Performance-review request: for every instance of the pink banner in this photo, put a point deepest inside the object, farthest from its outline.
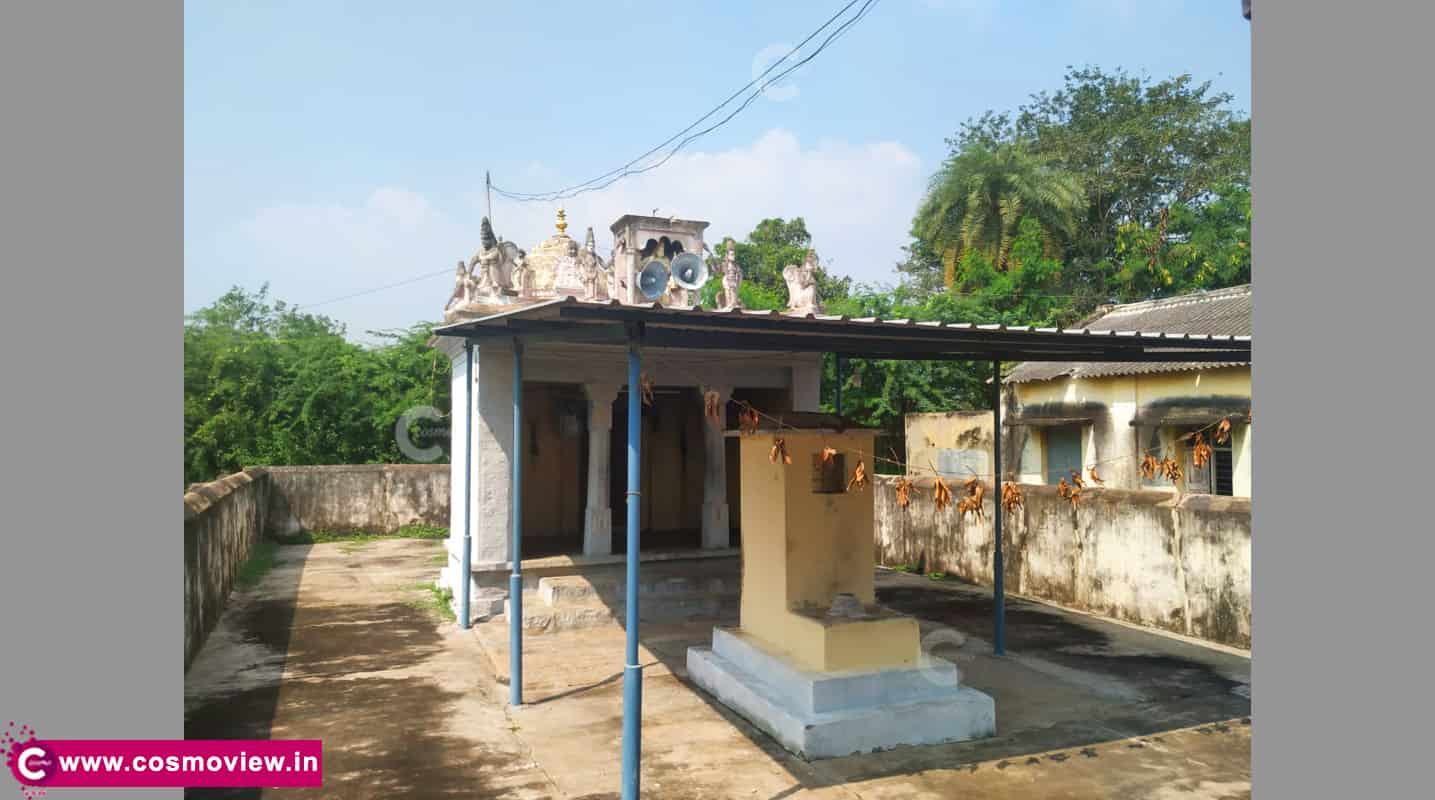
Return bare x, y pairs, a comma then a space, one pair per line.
156, 763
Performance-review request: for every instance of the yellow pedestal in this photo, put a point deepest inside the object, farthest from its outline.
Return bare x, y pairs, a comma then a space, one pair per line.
805, 539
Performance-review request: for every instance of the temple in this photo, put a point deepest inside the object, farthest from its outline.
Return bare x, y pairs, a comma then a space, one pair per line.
572, 440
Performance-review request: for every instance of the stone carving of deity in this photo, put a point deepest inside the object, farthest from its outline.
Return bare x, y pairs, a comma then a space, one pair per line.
590, 267
522, 276
731, 279
802, 285
461, 293
616, 282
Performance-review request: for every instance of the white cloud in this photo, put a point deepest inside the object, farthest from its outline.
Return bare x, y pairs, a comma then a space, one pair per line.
857, 199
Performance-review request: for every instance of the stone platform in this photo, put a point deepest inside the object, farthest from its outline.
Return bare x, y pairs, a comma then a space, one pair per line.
573, 592
831, 714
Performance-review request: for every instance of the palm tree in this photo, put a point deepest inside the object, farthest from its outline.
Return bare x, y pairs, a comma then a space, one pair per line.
978, 197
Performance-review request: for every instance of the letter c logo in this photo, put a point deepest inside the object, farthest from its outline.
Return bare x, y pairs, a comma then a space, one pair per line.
22, 763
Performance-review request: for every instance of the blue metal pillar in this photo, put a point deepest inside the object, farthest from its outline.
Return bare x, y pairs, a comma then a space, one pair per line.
632, 673
515, 578
999, 579
465, 561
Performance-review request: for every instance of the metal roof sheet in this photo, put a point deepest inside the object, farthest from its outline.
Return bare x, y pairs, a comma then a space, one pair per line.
1202, 315
862, 337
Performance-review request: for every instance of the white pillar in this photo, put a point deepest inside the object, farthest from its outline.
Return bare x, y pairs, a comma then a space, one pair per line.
598, 519
715, 512
807, 383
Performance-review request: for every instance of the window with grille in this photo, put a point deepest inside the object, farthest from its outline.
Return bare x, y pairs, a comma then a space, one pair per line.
1216, 476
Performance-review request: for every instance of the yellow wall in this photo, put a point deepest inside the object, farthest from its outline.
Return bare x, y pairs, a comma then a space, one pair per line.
928, 434
1116, 438
800, 548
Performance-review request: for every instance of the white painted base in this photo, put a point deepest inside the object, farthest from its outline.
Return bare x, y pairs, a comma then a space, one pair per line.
483, 602
598, 532
831, 714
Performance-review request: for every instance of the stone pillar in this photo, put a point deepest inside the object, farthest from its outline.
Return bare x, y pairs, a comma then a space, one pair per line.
598, 519
715, 519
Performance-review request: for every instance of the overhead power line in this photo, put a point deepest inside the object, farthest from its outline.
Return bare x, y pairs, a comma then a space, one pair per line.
395, 285
612, 176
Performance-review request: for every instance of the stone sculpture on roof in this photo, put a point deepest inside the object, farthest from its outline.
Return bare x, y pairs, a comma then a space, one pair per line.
592, 270
802, 286
493, 264
731, 279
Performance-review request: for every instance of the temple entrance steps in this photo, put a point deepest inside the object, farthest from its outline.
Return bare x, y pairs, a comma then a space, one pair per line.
668, 591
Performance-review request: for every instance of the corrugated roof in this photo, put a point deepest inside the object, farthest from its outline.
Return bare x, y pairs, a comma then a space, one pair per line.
568, 319
1222, 312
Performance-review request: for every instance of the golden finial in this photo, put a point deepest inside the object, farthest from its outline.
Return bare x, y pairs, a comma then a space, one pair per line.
562, 221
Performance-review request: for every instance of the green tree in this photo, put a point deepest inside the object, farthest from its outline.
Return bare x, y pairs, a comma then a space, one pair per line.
981, 194
766, 251
1137, 145
267, 385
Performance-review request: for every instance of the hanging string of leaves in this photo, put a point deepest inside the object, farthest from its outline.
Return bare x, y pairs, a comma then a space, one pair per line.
941, 494
828, 454
1223, 432
1071, 491
1149, 467
1096, 479
712, 407
904, 489
645, 387
1200, 451
779, 451
971, 502
1011, 496
859, 477
748, 420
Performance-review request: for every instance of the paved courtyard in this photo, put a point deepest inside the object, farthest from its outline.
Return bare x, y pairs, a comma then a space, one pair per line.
341, 642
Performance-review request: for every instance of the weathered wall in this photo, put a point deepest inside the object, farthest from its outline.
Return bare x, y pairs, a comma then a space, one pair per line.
380, 498
965, 436
1150, 557
222, 522
1110, 439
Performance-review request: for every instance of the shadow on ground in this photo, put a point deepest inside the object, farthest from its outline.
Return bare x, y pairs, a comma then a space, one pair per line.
377, 679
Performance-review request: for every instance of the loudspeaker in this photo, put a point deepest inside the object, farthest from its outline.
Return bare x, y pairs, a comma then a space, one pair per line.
689, 271
653, 279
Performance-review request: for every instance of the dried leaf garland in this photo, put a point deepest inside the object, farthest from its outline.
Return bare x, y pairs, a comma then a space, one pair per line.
1223, 431
972, 502
645, 387
1149, 467
904, 488
1077, 481
1200, 451
1069, 491
941, 494
859, 477
1171, 470
1096, 479
712, 407
779, 451
1011, 496
749, 420
828, 454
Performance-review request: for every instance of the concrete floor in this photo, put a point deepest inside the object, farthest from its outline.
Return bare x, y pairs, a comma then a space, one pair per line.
336, 644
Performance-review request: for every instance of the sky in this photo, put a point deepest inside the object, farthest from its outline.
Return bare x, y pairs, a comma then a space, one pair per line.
333, 148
